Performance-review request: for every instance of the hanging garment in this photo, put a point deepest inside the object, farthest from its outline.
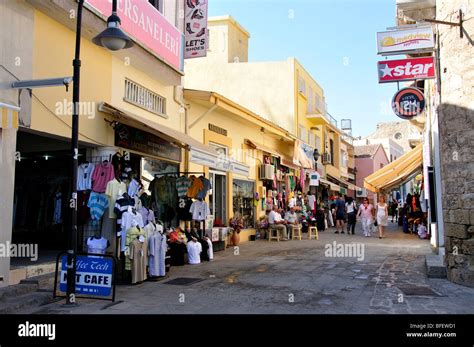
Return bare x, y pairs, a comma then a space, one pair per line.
184, 205
194, 252
195, 187
130, 219
57, 208
103, 174
83, 214
200, 210
302, 179
114, 190
133, 187
182, 185
147, 215
138, 260
121, 206
210, 252
96, 245
84, 176
98, 203
133, 233
312, 202
157, 247
206, 185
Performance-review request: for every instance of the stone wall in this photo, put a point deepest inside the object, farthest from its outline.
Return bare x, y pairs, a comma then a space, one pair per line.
456, 123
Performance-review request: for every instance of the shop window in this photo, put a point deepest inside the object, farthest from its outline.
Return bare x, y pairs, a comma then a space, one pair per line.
243, 201
158, 4
144, 98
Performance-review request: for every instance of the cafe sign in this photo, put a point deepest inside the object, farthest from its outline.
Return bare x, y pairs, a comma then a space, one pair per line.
420, 39
408, 103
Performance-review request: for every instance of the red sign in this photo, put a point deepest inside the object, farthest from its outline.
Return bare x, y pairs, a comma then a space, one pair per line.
406, 69
146, 25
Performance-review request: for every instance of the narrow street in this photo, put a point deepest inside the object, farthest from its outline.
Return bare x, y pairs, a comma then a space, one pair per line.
295, 277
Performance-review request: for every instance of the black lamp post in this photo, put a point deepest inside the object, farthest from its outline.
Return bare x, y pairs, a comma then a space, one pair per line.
316, 157
114, 39
355, 181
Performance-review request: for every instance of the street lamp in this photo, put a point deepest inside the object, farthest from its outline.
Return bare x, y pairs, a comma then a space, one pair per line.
316, 157
355, 181
114, 39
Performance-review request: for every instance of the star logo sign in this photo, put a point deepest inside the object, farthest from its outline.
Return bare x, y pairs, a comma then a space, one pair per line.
386, 71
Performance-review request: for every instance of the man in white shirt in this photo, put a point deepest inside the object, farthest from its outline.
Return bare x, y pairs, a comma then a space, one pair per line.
194, 252
292, 220
277, 222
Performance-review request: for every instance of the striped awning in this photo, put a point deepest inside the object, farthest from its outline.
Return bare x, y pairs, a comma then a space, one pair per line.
9, 116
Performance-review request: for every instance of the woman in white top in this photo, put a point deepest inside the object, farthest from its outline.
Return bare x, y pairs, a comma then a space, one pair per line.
382, 215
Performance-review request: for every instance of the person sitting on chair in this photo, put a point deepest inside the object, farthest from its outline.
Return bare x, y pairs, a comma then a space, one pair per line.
292, 220
277, 222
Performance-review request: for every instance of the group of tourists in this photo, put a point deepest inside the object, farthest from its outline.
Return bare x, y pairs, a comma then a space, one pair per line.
370, 216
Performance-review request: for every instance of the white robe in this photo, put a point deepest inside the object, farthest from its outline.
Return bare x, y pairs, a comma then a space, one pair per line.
157, 248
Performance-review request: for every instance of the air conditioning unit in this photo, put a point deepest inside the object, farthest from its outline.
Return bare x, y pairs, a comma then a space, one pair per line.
326, 158
267, 172
362, 193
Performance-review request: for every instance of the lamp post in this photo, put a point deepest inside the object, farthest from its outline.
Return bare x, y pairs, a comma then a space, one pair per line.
114, 39
355, 181
316, 157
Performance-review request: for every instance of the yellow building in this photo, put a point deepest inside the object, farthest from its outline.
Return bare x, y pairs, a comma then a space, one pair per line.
282, 92
130, 105
244, 139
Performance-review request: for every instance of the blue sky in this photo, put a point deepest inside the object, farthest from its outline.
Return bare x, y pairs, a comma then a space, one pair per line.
335, 42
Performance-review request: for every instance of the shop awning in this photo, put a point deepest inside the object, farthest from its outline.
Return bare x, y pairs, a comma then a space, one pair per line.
262, 148
331, 185
199, 153
207, 155
8, 116
397, 172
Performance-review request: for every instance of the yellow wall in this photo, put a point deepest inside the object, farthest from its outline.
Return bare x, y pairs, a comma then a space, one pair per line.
102, 79
238, 130
53, 54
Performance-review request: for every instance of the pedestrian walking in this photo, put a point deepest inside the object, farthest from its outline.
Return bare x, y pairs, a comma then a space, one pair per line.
394, 210
366, 212
351, 209
382, 215
340, 213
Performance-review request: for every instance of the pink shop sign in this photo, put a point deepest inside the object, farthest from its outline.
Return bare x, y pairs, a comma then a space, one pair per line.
148, 27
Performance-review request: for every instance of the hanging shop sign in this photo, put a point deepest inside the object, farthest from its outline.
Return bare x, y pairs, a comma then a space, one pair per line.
141, 141
406, 69
195, 28
94, 276
303, 155
408, 103
148, 27
314, 179
420, 39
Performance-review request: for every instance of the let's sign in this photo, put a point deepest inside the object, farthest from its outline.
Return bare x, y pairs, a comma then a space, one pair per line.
406, 69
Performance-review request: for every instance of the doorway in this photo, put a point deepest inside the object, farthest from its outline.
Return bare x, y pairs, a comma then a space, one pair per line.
218, 197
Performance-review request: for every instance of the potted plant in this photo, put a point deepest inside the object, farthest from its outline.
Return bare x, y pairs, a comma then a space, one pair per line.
237, 224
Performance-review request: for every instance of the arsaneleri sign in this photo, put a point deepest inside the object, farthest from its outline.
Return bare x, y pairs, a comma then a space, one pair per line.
406, 69
148, 27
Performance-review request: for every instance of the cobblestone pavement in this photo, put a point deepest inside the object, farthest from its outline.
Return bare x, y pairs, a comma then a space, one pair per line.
297, 277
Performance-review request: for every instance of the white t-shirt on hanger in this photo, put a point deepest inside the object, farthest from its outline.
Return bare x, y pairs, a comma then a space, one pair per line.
194, 252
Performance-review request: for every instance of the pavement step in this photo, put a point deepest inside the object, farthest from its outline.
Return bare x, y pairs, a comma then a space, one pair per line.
16, 290
22, 302
434, 266
43, 282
